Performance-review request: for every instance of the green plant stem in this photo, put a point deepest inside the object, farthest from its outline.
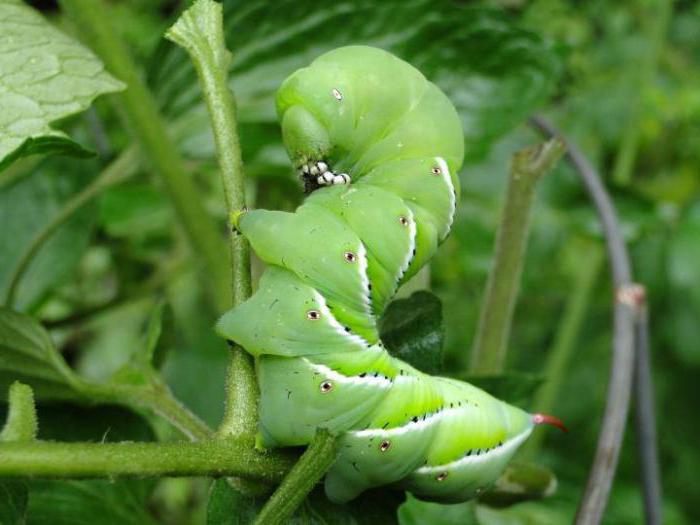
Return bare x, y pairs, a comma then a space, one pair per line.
199, 30
658, 27
562, 350
128, 459
156, 397
141, 113
310, 468
527, 167
21, 424
119, 170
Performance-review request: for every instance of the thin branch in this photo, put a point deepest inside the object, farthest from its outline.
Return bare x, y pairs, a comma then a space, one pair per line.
119, 170
200, 31
527, 167
310, 468
596, 493
139, 108
156, 397
232, 457
645, 418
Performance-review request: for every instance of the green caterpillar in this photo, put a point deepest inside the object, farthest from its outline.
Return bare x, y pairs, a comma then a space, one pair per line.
378, 147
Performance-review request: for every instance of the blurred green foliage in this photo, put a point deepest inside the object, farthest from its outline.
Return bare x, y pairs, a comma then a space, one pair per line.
621, 78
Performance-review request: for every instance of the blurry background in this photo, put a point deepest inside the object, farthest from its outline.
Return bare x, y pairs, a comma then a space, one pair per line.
620, 77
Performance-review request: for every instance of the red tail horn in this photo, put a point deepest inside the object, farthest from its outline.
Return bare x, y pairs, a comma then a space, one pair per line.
544, 419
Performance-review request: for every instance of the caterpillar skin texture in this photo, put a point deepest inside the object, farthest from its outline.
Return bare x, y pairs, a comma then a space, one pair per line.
379, 148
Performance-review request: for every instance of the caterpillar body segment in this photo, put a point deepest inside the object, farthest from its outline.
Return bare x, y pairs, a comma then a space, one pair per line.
379, 148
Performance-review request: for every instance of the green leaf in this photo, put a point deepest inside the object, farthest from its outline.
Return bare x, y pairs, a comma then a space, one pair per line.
229, 507
159, 336
13, 502
122, 502
29, 205
512, 387
46, 76
412, 330
417, 512
27, 354
81, 502
136, 210
521, 481
495, 72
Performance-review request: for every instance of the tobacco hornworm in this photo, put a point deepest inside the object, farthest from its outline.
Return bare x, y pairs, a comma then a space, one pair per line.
378, 147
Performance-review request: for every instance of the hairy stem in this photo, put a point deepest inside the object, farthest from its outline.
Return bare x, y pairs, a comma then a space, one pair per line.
527, 167
141, 113
564, 345
310, 468
119, 170
127, 459
199, 30
21, 424
157, 398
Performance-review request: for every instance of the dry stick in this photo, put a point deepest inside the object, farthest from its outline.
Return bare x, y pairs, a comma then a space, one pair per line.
528, 166
140, 110
310, 468
645, 418
596, 493
119, 170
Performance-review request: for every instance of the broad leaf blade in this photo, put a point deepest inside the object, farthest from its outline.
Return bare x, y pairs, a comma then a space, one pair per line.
229, 507
27, 354
13, 502
46, 76
495, 72
412, 330
108, 502
31, 204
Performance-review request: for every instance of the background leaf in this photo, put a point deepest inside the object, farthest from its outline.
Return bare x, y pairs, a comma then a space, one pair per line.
121, 502
27, 354
500, 75
229, 507
412, 330
28, 205
13, 502
45, 76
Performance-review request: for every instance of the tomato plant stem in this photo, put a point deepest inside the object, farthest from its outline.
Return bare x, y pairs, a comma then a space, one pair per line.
310, 468
127, 459
199, 30
527, 167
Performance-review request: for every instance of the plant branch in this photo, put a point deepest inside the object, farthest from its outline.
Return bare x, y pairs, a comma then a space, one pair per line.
141, 113
310, 468
156, 397
527, 167
118, 171
645, 418
597, 491
199, 30
127, 459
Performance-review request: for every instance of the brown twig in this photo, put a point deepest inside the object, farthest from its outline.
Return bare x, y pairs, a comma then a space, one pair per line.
626, 312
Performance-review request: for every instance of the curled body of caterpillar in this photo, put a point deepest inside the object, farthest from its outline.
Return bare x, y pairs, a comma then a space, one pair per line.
378, 147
